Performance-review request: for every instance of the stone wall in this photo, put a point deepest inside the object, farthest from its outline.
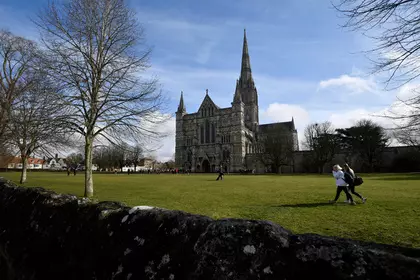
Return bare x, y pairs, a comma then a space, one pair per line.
44, 235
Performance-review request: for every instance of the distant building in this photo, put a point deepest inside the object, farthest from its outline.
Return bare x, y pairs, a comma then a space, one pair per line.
228, 137
144, 164
56, 163
11, 162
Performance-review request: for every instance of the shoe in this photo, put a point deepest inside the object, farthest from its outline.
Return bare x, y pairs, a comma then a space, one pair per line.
364, 200
353, 203
346, 201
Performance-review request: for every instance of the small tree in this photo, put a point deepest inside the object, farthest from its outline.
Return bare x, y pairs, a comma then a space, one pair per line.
323, 143
36, 122
17, 57
121, 155
74, 160
170, 164
367, 140
276, 147
135, 155
97, 53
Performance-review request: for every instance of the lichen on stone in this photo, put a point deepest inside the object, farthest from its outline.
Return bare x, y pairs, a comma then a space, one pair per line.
136, 208
249, 249
267, 270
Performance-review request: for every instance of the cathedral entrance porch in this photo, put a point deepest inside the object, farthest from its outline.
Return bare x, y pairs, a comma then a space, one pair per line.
205, 166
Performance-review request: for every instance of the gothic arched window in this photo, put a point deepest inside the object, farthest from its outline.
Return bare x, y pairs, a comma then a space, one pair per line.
213, 133
201, 134
207, 131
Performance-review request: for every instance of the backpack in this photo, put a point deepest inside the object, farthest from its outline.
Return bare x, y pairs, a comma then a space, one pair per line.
348, 178
358, 181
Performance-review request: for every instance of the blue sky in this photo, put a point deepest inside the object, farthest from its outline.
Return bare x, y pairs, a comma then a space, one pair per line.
304, 64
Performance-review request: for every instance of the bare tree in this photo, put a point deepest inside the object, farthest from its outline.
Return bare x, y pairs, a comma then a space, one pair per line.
97, 51
398, 44
17, 55
395, 28
135, 155
323, 143
276, 147
36, 122
121, 154
408, 136
74, 159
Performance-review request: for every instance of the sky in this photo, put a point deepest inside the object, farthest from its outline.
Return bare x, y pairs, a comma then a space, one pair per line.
304, 64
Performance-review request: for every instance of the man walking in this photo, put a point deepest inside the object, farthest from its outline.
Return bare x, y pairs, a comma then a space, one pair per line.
220, 173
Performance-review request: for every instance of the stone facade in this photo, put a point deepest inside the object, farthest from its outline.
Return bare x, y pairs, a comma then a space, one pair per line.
227, 137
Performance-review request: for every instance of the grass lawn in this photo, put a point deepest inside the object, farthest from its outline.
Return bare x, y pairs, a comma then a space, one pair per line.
297, 202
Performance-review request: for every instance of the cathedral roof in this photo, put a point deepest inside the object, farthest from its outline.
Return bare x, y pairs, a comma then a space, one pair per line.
280, 125
207, 101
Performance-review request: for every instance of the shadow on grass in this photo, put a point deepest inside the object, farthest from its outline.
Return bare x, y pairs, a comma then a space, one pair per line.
311, 205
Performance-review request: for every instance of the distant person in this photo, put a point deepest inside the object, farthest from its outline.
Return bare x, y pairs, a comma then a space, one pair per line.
68, 171
128, 171
341, 184
74, 171
220, 174
352, 184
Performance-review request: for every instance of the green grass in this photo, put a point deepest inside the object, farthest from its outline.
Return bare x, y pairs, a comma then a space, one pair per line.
297, 202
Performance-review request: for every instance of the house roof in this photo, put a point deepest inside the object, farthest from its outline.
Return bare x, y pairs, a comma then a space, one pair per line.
6, 160
35, 161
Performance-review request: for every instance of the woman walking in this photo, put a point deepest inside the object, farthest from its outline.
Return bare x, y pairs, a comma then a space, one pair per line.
341, 185
351, 184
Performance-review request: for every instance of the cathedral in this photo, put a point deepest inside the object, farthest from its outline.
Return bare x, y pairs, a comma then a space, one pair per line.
227, 137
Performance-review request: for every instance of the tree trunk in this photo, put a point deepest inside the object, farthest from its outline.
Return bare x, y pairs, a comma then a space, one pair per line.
24, 169
88, 166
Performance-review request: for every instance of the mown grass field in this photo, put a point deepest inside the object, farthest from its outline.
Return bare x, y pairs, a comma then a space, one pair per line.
297, 202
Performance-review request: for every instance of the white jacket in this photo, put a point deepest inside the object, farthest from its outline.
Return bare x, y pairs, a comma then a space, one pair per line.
339, 178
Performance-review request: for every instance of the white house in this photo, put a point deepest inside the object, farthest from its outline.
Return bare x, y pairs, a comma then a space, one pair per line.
55, 164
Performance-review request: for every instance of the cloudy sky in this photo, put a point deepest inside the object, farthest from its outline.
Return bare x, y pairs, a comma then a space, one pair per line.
304, 64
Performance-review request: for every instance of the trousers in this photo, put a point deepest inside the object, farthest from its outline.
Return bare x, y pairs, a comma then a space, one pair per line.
346, 190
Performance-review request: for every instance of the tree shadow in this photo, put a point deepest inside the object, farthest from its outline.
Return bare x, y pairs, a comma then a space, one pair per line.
311, 205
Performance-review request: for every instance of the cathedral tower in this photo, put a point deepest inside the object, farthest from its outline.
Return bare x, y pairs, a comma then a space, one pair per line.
247, 89
179, 136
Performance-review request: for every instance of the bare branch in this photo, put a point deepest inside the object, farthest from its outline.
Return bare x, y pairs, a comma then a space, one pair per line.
97, 52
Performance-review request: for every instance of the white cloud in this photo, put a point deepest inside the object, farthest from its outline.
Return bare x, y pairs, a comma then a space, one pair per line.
408, 91
166, 143
277, 112
351, 84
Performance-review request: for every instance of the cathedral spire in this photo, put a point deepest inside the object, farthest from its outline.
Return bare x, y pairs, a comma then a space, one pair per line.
237, 97
181, 106
246, 74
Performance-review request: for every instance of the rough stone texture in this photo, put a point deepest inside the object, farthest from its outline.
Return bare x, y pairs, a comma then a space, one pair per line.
44, 235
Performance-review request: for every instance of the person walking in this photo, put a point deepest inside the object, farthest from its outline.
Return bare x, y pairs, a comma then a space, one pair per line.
352, 185
341, 185
220, 173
